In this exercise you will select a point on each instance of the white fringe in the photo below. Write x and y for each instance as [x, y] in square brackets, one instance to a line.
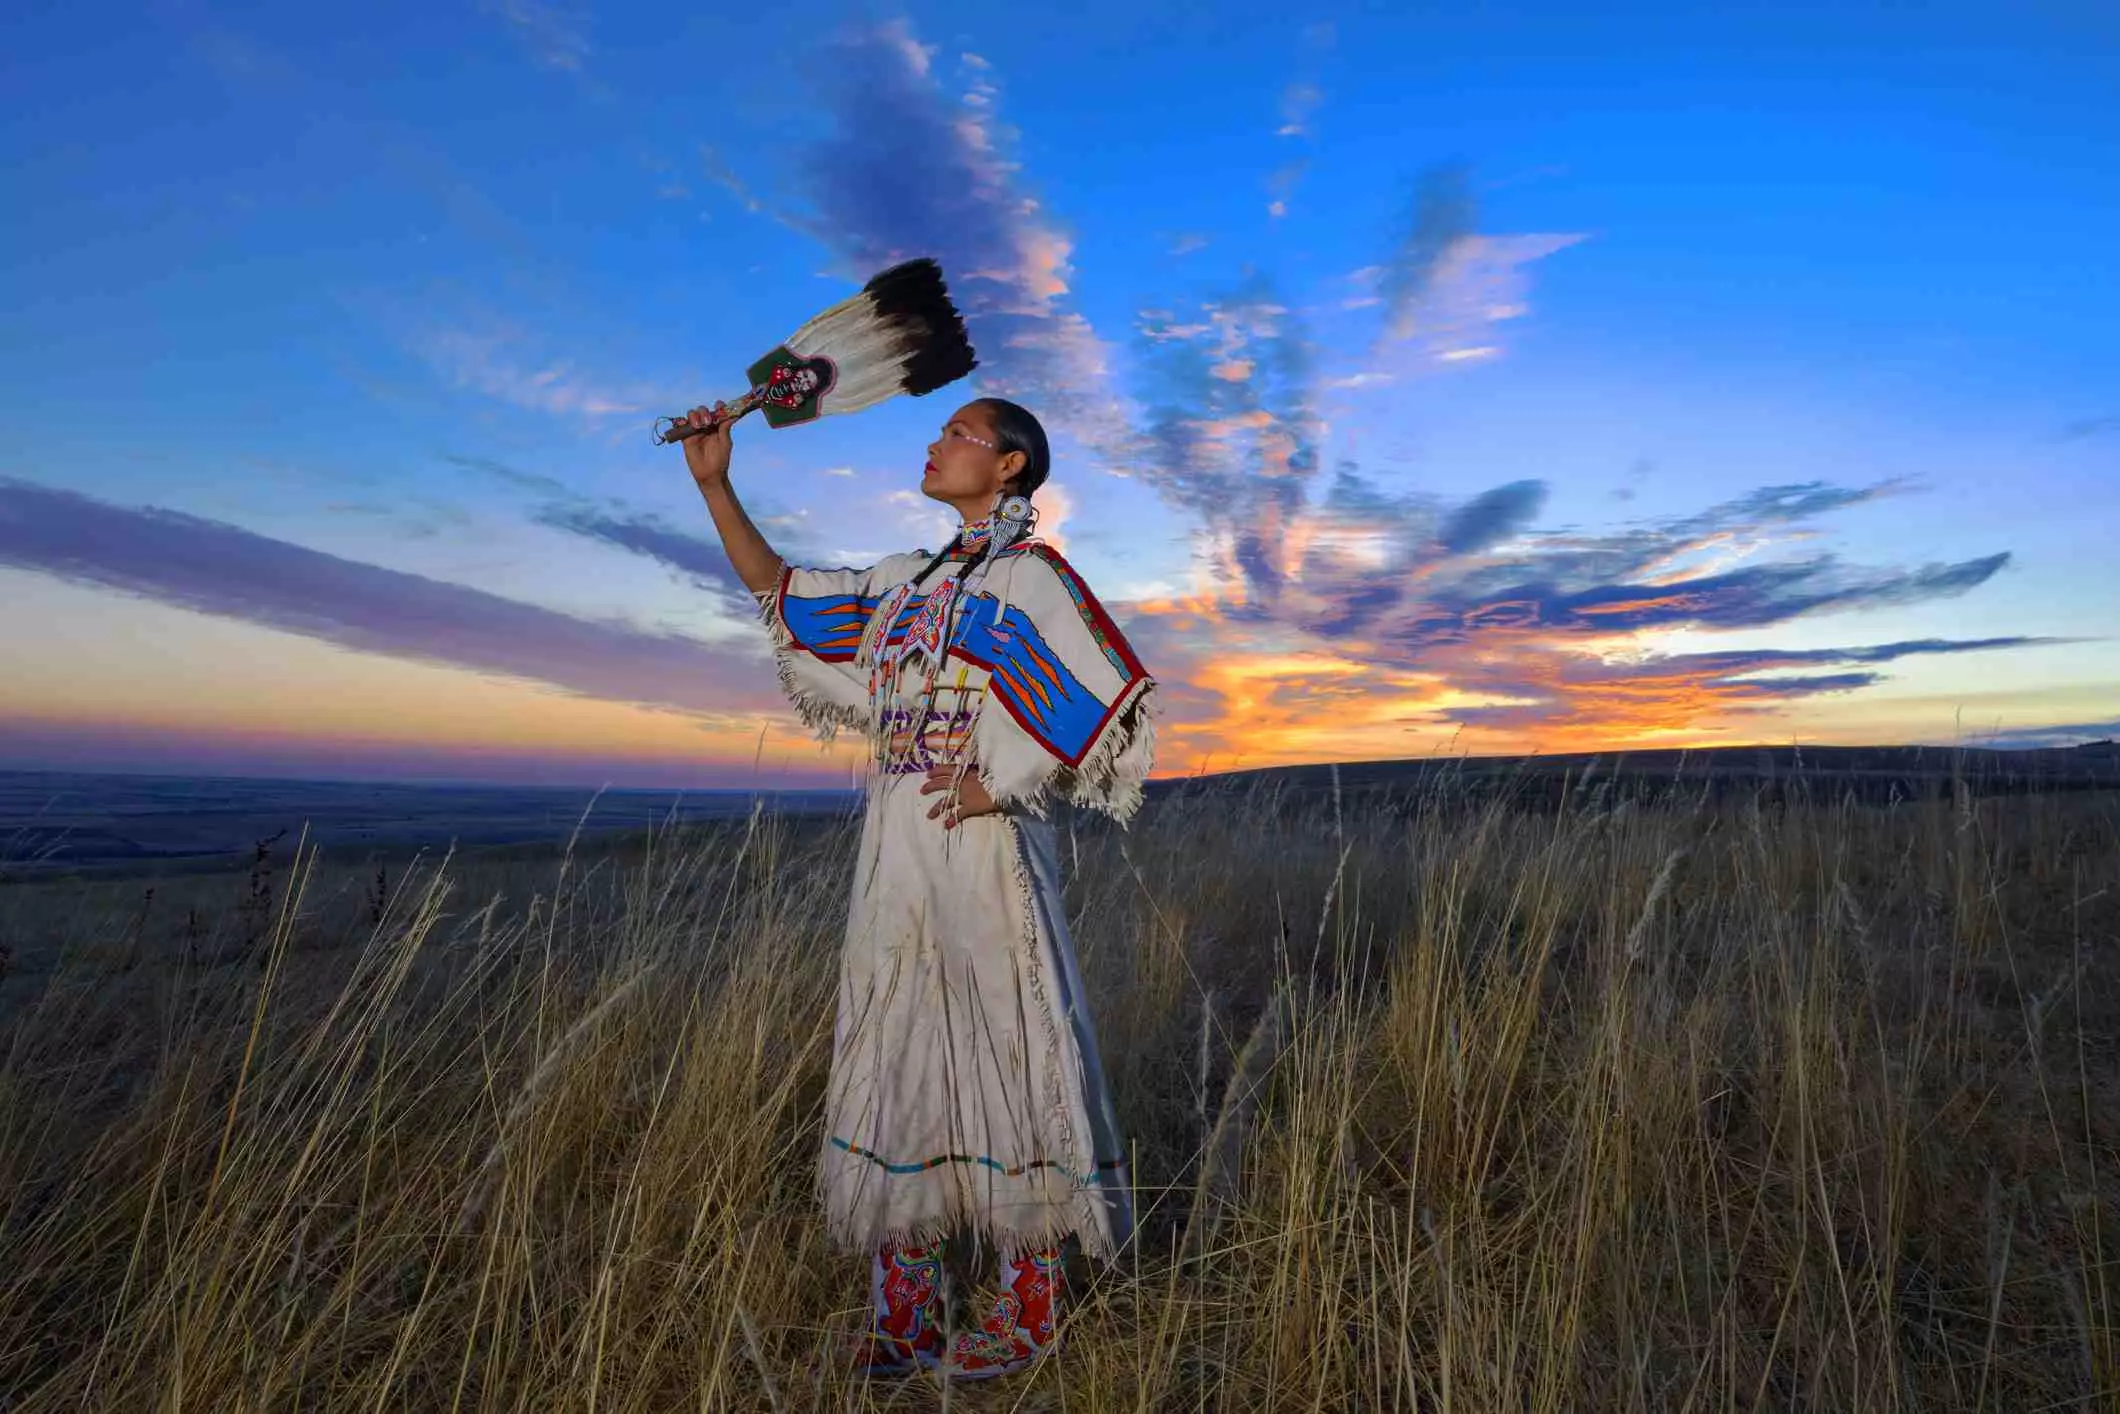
[1109, 779]
[1111, 776]
[1081, 1212]
[769, 614]
[820, 714]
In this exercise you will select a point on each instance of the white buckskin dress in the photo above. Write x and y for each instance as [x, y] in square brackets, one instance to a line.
[967, 1095]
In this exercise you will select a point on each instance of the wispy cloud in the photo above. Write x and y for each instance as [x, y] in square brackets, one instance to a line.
[1491, 516]
[1281, 185]
[914, 167]
[412, 518]
[697, 560]
[1754, 597]
[1448, 284]
[1559, 696]
[700, 561]
[720, 173]
[1229, 433]
[2091, 427]
[1439, 575]
[499, 363]
[1298, 101]
[555, 37]
[216, 568]
[515, 476]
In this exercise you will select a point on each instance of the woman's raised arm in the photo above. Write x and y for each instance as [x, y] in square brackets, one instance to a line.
[707, 458]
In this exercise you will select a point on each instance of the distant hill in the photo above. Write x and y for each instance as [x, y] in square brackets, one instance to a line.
[54, 820]
[63, 821]
[1872, 774]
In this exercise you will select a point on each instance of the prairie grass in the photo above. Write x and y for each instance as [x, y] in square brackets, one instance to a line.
[1437, 1104]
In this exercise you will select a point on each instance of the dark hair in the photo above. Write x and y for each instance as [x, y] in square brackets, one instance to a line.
[1018, 431]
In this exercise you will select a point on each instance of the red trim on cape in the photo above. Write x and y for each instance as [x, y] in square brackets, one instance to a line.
[1090, 602]
[1034, 730]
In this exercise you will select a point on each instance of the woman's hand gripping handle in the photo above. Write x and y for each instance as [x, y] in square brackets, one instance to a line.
[704, 431]
[707, 451]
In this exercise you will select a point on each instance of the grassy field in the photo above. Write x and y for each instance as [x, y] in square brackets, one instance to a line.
[1447, 1105]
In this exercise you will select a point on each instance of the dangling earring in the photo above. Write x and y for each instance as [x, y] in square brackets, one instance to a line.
[1014, 518]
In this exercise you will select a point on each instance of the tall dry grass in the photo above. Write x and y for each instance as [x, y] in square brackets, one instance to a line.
[1437, 1105]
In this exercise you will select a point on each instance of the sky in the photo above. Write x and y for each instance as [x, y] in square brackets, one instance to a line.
[1450, 378]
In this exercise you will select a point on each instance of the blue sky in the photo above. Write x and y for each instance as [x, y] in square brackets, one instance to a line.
[1516, 379]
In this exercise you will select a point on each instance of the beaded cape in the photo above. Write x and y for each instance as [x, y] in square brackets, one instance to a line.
[1062, 702]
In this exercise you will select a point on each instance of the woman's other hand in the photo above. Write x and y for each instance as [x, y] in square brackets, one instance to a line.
[964, 795]
[707, 455]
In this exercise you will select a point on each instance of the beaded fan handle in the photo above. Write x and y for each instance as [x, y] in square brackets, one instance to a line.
[676, 429]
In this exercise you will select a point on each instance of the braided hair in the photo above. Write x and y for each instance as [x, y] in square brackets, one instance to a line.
[1017, 430]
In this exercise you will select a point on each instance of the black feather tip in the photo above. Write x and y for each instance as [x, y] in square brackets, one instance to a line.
[912, 298]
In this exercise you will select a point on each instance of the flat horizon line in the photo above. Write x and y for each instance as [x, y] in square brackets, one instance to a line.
[428, 783]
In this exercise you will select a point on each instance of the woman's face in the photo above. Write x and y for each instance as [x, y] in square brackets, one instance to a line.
[966, 466]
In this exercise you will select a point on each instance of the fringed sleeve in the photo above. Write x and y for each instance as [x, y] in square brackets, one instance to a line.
[816, 618]
[1069, 707]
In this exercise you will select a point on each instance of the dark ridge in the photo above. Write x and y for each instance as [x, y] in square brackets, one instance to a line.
[59, 822]
[1780, 775]
[913, 299]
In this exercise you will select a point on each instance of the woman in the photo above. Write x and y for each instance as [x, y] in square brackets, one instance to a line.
[966, 1093]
